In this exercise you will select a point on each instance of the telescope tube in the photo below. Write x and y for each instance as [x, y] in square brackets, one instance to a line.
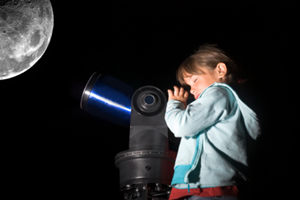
[108, 98]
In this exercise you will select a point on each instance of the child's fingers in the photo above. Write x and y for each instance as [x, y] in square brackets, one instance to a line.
[170, 95]
[186, 94]
[176, 91]
[182, 92]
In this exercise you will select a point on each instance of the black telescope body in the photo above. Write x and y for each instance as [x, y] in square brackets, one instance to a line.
[146, 168]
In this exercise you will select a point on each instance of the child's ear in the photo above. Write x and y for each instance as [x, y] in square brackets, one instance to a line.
[221, 69]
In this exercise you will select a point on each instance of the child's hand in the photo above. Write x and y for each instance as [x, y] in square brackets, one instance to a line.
[179, 94]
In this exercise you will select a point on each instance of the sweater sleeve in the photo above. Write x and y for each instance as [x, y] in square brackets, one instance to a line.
[210, 108]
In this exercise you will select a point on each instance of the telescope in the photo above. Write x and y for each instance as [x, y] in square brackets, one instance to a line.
[146, 168]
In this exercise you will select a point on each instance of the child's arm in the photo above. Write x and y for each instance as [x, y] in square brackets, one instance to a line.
[212, 107]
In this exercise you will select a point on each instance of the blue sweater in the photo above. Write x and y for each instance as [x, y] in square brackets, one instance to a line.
[213, 129]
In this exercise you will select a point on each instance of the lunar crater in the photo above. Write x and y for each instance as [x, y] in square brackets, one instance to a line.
[25, 31]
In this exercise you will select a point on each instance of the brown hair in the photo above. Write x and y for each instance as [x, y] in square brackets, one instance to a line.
[207, 55]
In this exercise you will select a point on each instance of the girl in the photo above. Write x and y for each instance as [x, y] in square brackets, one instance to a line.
[212, 155]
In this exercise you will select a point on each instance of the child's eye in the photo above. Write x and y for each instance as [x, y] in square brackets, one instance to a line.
[195, 80]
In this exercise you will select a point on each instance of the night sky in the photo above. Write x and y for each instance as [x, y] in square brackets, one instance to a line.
[51, 147]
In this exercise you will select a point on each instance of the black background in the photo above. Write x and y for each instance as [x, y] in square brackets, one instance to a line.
[53, 148]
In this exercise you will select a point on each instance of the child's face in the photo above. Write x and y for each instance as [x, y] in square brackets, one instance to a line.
[199, 82]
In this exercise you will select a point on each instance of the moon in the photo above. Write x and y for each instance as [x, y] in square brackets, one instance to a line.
[26, 28]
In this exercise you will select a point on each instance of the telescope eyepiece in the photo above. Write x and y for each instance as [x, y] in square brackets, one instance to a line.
[149, 100]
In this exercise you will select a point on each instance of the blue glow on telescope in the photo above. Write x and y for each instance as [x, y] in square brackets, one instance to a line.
[108, 98]
[111, 103]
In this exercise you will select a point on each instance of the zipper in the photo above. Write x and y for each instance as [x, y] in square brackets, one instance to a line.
[187, 181]
[196, 160]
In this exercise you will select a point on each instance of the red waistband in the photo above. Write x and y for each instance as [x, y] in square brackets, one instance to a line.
[177, 194]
